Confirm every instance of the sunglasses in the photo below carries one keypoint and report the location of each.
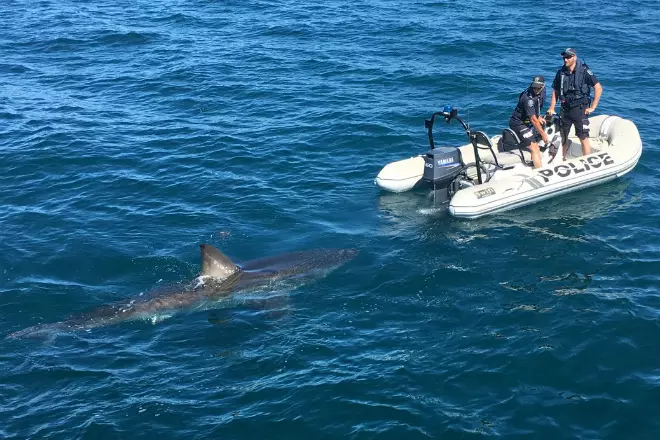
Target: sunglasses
(567, 57)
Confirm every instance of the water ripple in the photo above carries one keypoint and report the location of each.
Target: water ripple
(134, 131)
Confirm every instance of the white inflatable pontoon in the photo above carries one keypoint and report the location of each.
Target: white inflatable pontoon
(491, 175)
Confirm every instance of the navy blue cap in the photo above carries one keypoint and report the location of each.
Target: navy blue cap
(538, 81)
(568, 52)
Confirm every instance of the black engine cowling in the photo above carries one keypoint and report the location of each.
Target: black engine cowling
(442, 165)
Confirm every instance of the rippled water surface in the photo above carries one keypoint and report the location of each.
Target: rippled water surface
(133, 131)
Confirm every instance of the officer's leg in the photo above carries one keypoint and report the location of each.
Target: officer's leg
(565, 127)
(526, 137)
(536, 154)
(582, 129)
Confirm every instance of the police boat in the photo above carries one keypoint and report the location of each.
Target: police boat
(495, 174)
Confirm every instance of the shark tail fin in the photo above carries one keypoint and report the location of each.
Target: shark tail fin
(215, 263)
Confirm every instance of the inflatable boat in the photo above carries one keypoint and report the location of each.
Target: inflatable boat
(495, 174)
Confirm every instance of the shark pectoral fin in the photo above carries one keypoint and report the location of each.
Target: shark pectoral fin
(271, 308)
(219, 318)
(215, 263)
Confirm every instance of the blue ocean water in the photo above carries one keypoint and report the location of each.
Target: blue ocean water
(132, 131)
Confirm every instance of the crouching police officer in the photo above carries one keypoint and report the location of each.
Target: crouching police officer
(528, 110)
(572, 86)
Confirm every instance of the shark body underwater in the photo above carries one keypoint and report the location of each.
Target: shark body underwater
(220, 281)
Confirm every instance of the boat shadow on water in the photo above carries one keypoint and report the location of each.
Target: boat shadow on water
(416, 208)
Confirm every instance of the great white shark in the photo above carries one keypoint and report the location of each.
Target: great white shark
(220, 281)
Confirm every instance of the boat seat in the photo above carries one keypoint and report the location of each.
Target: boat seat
(486, 150)
(508, 151)
(514, 157)
(509, 141)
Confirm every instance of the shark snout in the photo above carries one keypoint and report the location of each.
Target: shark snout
(349, 254)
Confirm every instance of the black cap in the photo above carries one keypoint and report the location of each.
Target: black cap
(538, 81)
(568, 52)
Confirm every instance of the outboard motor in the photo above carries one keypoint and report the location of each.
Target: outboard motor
(444, 169)
(442, 165)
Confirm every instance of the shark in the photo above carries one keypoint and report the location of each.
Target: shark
(221, 282)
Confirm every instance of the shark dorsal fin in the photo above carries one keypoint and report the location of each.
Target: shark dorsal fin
(215, 263)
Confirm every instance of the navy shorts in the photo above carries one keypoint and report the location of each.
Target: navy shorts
(524, 133)
(574, 116)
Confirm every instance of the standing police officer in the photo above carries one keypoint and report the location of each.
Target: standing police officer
(572, 86)
(528, 110)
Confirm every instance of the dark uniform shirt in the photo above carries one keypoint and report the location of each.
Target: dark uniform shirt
(589, 79)
(528, 105)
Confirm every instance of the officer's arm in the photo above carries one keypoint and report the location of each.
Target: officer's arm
(553, 101)
(598, 90)
(536, 122)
